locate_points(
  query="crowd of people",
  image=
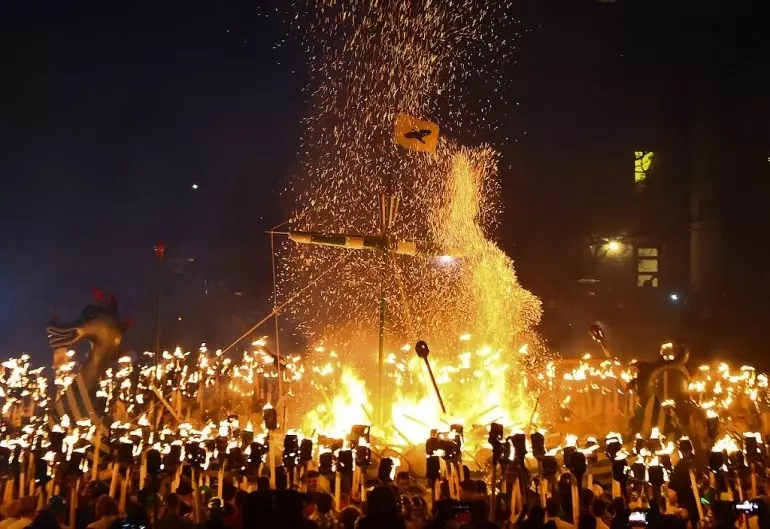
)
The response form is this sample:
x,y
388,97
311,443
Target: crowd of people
x,y
400,504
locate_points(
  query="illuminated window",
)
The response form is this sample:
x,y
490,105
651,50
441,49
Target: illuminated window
x,y
642,164
646,280
647,267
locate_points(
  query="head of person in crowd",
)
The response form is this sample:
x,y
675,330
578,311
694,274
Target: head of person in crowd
x,y
95,490
137,512
481,489
467,490
184,492
324,503
599,508
586,499
11,510
26,508
382,510
312,479
381,503
105,507
347,517
45,519
58,508
419,509
281,479
172,503
403,481
263,483
228,491
536,514
552,507
586,521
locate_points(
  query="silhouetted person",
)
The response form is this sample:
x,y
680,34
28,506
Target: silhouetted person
x,y
263,483
347,517
382,511
586,521
553,511
45,519
105,513
172,519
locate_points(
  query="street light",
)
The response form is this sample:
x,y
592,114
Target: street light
x,y
614,247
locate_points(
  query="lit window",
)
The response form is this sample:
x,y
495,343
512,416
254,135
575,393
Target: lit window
x,y
647,267
646,281
642,164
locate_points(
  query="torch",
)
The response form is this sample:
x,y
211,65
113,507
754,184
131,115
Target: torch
x,y
196,456
154,463
495,439
256,456
717,464
421,348
172,463
751,445
712,426
656,476
590,451
270,417
326,450
597,334
613,443
363,457
433,465
305,456
737,464
42,476
344,469
537,441
454,456
385,470
686,455
236,462
290,456
73,469
5,467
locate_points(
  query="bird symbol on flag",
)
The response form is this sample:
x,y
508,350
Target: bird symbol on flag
x,y
418,135
415,134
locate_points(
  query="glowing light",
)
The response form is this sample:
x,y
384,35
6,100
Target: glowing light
x,y
614,247
642,164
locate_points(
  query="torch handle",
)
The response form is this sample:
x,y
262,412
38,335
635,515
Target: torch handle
x,y
493,503
435,386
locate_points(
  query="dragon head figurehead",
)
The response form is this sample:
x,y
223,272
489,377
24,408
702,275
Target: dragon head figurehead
x,y
99,324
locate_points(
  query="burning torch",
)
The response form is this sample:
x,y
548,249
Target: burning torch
x,y
421,348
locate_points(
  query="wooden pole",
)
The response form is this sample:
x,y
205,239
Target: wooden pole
x,y
74,502
114,480
97,455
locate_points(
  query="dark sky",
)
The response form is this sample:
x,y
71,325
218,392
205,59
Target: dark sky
x,y
111,111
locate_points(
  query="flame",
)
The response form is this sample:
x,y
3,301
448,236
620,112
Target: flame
x,y
726,444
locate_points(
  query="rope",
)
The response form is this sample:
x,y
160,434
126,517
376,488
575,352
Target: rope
x,y
280,307
275,302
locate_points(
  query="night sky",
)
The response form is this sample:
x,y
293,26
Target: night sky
x,y
110,112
